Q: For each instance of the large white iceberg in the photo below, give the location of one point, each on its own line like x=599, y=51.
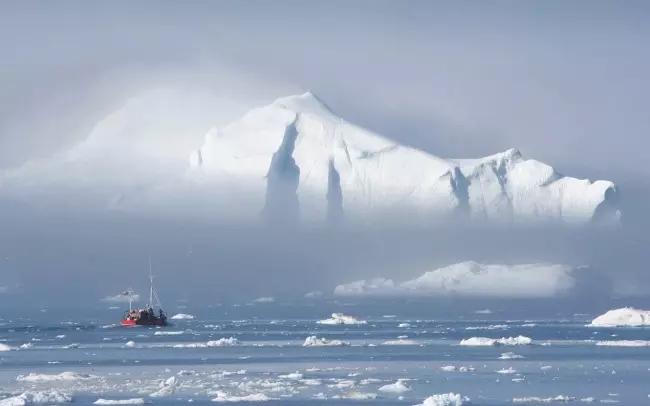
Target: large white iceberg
x=296, y=160
x=474, y=279
x=625, y=317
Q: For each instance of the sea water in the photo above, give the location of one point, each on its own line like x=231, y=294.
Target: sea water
x=250, y=352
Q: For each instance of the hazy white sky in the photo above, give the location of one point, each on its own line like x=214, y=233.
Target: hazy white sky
x=564, y=81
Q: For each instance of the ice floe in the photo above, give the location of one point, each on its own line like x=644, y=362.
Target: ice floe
x=400, y=341
x=484, y=341
x=398, y=387
x=63, y=376
x=625, y=317
x=168, y=333
x=453, y=368
x=445, y=399
x=340, y=318
x=222, y=342
x=5, y=347
x=624, y=343
x=314, y=341
x=510, y=355
x=223, y=396
x=182, y=316
x=135, y=401
x=37, y=398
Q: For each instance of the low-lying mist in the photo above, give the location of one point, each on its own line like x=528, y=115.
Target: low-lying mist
x=80, y=258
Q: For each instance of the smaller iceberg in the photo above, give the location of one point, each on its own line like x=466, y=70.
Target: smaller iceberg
x=625, y=317
x=340, y=318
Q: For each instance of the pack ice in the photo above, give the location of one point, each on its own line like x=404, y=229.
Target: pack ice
x=296, y=160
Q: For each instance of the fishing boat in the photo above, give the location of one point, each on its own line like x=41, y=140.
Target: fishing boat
x=147, y=316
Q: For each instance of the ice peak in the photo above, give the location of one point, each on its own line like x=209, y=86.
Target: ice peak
x=307, y=102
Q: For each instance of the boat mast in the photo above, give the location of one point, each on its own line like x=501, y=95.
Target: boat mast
x=150, y=284
x=130, y=293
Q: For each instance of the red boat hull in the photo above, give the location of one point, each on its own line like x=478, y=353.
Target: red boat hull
x=150, y=322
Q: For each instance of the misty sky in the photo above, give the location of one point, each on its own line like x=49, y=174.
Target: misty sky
x=566, y=82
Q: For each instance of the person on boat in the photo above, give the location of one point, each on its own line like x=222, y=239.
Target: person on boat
x=160, y=313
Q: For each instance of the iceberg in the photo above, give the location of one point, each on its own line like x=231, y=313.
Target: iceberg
x=296, y=160
x=340, y=318
x=625, y=317
x=474, y=279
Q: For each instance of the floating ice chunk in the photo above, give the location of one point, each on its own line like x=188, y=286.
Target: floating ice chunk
x=165, y=388
x=445, y=399
x=26, y=346
x=60, y=336
x=222, y=342
x=168, y=333
x=453, y=368
x=489, y=327
x=130, y=344
x=5, y=347
x=484, y=341
x=536, y=399
x=253, y=397
x=314, y=294
x=37, y=398
x=182, y=316
x=624, y=343
x=403, y=325
x=354, y=395
x=397, y=387
x=313, y=341
x=340, y=318
x=625, y=317
x=136, y=401
x=264, y=300
x=510, y=355
x=294, y=375
x=63, y=376
x=400, y=342
x=483, y=311
x=508, y=370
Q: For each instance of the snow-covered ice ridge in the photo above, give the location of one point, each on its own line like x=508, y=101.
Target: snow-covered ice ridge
x=296, y=159
x=473, y=279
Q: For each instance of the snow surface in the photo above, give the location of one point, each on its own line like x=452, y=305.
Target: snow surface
x=474, y=279
x=484, y=341
x=445, y=399
x=625, y=317
x=295, y=159
x=340, y=318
